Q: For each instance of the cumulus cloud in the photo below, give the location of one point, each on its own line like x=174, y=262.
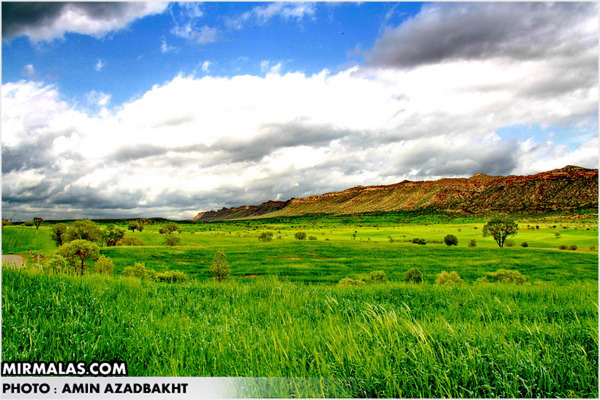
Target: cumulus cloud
x=49, y=21
x=200, y=143
x=475, y=31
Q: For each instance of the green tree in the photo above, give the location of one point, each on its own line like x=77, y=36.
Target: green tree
x=172, y=240
x=300, y=235
x=58, y=233
x=77, y=252
x=219, y=267
x=112, y=235
x=500, y=229
x=265, y=237
x=451, y=240
x=133, y=225
x=83, y=230
x=37, y=221
x=169, y=228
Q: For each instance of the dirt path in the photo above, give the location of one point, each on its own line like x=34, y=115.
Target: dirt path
x=13, y=260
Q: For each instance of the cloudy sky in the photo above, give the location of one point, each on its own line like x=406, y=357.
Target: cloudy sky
x=168, y=109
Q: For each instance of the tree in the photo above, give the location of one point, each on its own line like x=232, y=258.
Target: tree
x=83, y=230
x=58, y=233
x=219, y=267
x=133, y=225
x=451, y=240
x=77, y=252
x=265, y=237
x=172, y=240
x=112, y=235
x=300, y=235
x=169, y=228
x=37, y=221
x=104, y=265
x=500, y=229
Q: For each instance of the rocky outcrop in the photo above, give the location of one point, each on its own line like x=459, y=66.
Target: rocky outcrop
x=564, y=189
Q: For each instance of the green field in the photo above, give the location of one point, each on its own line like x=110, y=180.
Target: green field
x=281, y=314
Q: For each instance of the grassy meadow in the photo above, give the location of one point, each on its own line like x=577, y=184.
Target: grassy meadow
x=282, y=314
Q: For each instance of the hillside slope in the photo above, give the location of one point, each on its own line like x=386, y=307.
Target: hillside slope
x=567, y=188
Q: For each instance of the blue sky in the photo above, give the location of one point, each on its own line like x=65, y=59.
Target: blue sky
x=169, y=109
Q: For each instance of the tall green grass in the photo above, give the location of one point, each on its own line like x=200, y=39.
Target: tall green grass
x=393, y=340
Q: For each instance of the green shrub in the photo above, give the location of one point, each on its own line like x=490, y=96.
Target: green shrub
x=562, y=247
x=449, y=278
x=419, y=241
x=300, y=235
x=509, y=243
x=451, y=240
x=378, y=277
x=130, y=241
x=573, y=247
x=508, y=276
x=472, y=243
x=481, y=281
x=265, y=237
x=56, y=265
x=312, y=238
x=28, y=223
x=104, y=265
x=139, y=271
x=350, y=282
x=557, y=234
x=219, y=267
x=171, y=276
x=171, y=239
x=413, y=275
x=524, y=244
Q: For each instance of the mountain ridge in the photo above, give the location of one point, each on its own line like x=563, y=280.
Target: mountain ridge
x=567, y=188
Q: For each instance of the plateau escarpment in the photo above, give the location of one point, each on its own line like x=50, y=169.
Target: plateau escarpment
x=565, y=189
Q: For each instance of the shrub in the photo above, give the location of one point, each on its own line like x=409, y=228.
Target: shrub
x=172, y=240
x=508, y=276
x=573, y=247
x=265, y=237
x=28, y=223
x=378, y=277
x=300, y=235
x=451, y=240
x=419, y=241
x=481, y=281
x=171, y=276
x=562, y=247
x=312, y=238
x=509, y=243
x=219, y=267
x=449, y=278
x=104, y=265
x=350, y=282
x=524, y=244
x=557, y=234
x=472, y=243
x=413, y=275
x=56, y=265
x=130, y=241
x=139, y=271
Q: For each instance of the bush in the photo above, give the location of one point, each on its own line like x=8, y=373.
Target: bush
x=378, y=277
x=300, y=235
x=481, y=281
x=557, y=234
x=508, y=276
x=139, y=271
x=312, y=238
x=130, y=241
x=219, y=267
x=472, y=243
x=524, y=244
x=350, y=282
x=104, y=265
x=562, y=247
x=451, y=240
x=573, y=247
x=28, y=223
x=265, y=237
x=413, y=275
x=509, y=243
x=171, y=276
x=449, y=278
x=57, y=264
x=419, y=241
x=172, y=240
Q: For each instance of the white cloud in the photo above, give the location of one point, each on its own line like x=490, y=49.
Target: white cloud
x=200, y=35
x=49, y=21
x=99, y=65
x=206, y=66
x=98, y=98
x=263, y=14
x=28, y=70
x=164, y=47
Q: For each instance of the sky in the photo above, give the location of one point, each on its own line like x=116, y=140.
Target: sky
x=169, y=109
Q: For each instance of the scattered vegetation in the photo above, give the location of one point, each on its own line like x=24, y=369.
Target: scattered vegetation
x=219, y=267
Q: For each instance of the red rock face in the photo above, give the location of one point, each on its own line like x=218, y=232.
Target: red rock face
x=564, y=189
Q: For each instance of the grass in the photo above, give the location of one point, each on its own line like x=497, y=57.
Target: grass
x=395, y=340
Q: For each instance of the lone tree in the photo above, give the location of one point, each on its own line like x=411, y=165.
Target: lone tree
x=112, y=235
x=219, y=267
x=500, y=229
x=169, y=228
x=451, y=240
x=78, y=252
x=58, y=233
x=83, y=230
x=37, y=221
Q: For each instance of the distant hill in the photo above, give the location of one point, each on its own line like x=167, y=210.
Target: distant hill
x=568, y=188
